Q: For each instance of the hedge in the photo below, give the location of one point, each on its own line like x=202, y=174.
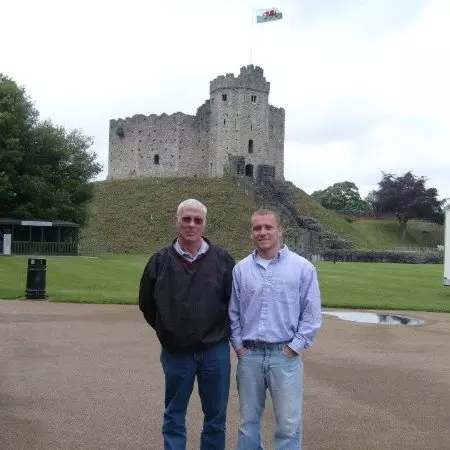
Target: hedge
x=382, y=256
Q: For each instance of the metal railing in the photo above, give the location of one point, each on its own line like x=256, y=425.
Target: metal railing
x=92, y=248
x=44, y=248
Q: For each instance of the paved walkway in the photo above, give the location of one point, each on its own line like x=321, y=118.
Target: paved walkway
x=88, y=377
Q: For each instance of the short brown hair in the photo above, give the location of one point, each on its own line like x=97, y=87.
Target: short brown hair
x=267, y=212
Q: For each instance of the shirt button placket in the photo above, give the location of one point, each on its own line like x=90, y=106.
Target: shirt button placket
x=264, y=309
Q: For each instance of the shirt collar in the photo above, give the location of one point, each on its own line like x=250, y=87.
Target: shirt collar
x=280, y=254
x=203, y=249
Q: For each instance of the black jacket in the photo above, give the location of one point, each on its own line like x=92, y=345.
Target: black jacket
x=187, y=303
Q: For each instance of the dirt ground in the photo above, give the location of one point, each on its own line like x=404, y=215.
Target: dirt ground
x=88, y=377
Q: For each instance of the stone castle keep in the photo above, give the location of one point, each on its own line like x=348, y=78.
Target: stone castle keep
x=236, y=131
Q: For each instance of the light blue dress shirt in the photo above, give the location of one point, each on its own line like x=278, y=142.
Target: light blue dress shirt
x=203, y=249
x=280, y=303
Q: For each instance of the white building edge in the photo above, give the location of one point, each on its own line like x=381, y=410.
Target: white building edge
x=446, y=281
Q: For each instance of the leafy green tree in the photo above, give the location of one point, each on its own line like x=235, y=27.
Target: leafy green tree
x=343, y=197
x=17, y=118
x=408, y=198
x=44, y=170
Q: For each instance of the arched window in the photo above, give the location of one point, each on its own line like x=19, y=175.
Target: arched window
x=156, y=159
x=249, y=170
x=250, y=146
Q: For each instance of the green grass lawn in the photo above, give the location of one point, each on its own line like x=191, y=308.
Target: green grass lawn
x=115, y=279
x=384, y=286
x=109, y=279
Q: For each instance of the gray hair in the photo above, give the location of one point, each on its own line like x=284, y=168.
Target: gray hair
x=193, y=204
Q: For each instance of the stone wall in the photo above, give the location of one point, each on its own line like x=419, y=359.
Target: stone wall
x=276, y=139
x=160, y=146
x=236, y=121
x=240, y=120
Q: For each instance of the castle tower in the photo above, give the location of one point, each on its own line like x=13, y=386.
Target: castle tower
x=235, y=131
x=246, y=133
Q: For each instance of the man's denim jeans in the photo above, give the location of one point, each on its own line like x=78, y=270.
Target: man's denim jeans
x=212, y=368
x=264, y=367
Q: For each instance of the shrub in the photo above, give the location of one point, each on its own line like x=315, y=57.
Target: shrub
x=382, y=256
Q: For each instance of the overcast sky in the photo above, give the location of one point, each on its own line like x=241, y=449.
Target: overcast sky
x=365, y=83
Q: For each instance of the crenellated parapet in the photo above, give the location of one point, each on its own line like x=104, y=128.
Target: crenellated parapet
x=141, y=119
x=277, y=113
x=250, y=77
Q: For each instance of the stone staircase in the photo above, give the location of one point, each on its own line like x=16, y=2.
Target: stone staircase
x=302, y=233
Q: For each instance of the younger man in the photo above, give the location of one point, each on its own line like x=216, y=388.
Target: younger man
x=275, y=312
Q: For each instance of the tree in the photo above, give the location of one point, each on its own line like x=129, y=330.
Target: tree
x=17, y=118
x=371, y=201
x=343, y=197
x=44, y=170
x=407, y=197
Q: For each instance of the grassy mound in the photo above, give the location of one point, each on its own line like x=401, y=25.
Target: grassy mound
x=138, y=216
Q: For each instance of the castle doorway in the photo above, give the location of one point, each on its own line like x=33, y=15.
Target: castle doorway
x=249, y=170
x=265, y=173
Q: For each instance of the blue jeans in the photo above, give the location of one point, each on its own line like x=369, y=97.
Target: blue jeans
x=264, y=367
x=212, y=368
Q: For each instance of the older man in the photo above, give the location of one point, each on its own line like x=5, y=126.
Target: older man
x=275, y=313
x=184, y=296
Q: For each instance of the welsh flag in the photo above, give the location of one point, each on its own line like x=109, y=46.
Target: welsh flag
x=268, y=15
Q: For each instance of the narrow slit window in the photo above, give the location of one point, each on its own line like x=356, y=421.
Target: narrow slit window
x=250, y=146
x=156, y=159
x=253, y=98
x=224, y=97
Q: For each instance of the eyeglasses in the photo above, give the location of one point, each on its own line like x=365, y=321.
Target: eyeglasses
x=189, y=219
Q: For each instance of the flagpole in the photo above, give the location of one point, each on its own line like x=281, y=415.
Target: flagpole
x=251, y=36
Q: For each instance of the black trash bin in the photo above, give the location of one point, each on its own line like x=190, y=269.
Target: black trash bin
x=36, y=275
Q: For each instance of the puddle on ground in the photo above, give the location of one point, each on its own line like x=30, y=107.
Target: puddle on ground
x=369, y=317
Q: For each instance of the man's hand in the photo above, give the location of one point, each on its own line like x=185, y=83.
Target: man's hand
x=242, y=351
x=289, y=352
